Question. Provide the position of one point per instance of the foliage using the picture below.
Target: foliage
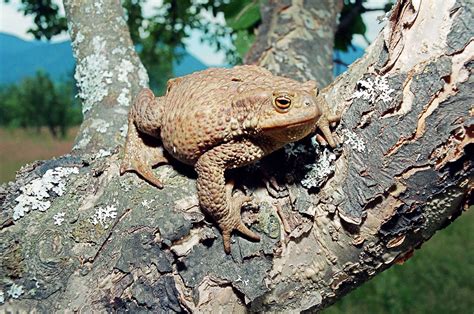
(38, 102)
(159, 36)
(47, 18)
(242, 17)
(351, 22)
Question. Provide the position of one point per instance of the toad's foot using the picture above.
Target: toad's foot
(141, 156)
(233, 221)
(215, 196)
(324, 124)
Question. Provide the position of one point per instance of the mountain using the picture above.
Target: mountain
(20, 58)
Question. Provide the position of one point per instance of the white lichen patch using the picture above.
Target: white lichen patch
(2, 297)
(70, 28)
(124, 98)
(93, 75)
(124, 130)
(59, 218)
(124, 68)
(102, 153)
(119, 50)
(79, 37)
(374, 90)
(103, 215)
(120, 21)
(15, 291)
(77, 40)
(142, 76)
(319, 171)
(36, 194)
(147, 203)
(98, 5)
(125, 185)
(353, 140)
(83, 142)
(100, 125)
(294, 149)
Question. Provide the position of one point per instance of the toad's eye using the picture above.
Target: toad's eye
(282, 103)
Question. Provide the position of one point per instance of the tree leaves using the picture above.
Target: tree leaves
(37, 102)
(244, 16)
(46, 16)
(243, 41)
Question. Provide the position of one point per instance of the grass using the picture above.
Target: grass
(439, 278)
(19, 147)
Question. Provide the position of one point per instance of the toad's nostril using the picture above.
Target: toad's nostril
(307, 103)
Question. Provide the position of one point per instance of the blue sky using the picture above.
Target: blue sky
(14, 22)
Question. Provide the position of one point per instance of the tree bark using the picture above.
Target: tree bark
(329, 221)
(296, 39)
(108, 72)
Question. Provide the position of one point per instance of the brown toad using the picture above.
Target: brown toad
(219, 119)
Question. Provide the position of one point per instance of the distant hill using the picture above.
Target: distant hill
(20, 58)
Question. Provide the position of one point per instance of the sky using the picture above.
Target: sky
(15, 23)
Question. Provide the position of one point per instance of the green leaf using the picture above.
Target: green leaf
(248, 16)
(233, 8)
(359, 26)
(243, 41)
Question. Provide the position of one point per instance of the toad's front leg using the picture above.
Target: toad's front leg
(140, 156)
(214, 198)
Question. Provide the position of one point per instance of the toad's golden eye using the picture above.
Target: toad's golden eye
(282, 103)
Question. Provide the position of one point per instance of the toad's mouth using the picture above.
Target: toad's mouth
(307, 122)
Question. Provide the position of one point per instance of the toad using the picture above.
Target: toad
(219, 119)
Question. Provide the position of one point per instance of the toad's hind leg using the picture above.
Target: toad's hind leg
(141, 150)
(214, 196)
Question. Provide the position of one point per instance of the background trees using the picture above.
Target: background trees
(37, 102)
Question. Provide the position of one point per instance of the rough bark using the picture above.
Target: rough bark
(402, 172)
(296, 39)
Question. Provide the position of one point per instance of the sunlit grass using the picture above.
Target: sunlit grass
(19, 147)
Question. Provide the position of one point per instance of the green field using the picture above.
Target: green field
(439, 278)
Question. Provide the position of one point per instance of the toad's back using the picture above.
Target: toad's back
(198, 111)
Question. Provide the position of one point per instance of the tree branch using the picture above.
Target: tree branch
(77, 237)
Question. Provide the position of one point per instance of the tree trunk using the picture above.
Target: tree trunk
(75, 236)
(108, 72)
(296, 39)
